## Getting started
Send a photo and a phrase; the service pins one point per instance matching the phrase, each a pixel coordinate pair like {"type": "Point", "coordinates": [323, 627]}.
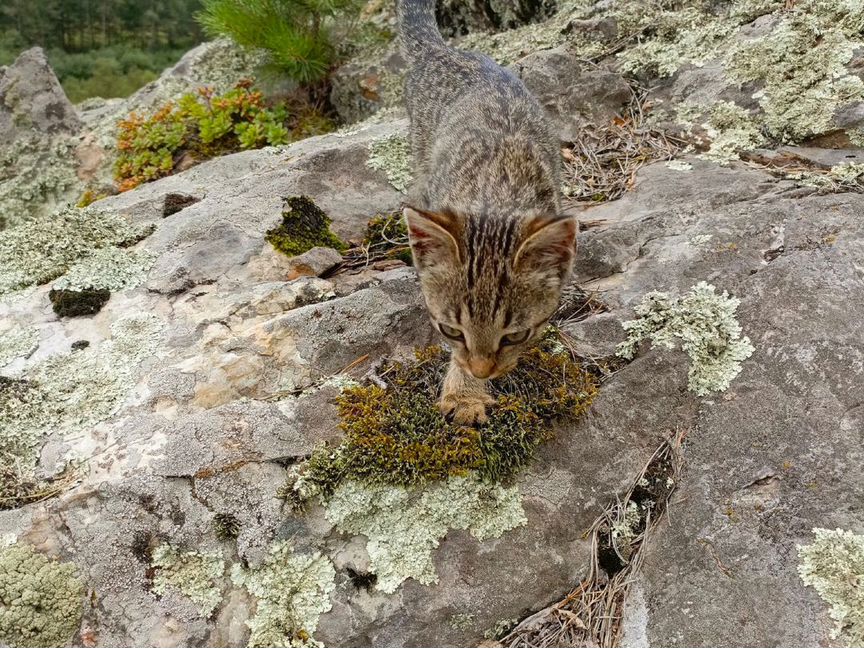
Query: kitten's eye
{"type": "Point", "coordinates": [452, 333]}
{"type": "Point", "coordinates": [515, 338]}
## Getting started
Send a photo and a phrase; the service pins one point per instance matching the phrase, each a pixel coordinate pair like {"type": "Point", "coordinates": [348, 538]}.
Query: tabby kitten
{"type": "Point", "coordinates": [484, 216]}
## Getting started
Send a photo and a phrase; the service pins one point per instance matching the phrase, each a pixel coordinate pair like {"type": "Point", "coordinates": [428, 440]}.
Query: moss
{"type": "Point", "coordinates": [386, 238]}
{"type": "Point", "coordinates": [226, 525]}
{"type": "Point", "coordinates": [398, 436]}
{"type": "Point", "coordinates": [304, 226]}
{"type": "Point", "coordinates": [41, 600]}
{"type": "Point", "coordinates": [195, 574]}
{"type": "Point", "coordinates": [108, 268]}
{"type": "Point", "coordinates": [392, 155]}
{"type": "Point", "coordinates": [833, 564]}
{"type": "Point", "coordinates": [67, 393]}
{"type": "Point", "coordinates": [293, 590]}
{"type": "Point", "coordinates": [706, 325]}
{"type": "Point", "coordinates": [17, 342]}
{"type": "Point", "coordinates": [78, 303]}
{"type": "Point", "coordinates": [177, 202]}
{"type": "Point", "coordinates": [404, 525]}
{"type": "Point", "coordinates": [45, 248]}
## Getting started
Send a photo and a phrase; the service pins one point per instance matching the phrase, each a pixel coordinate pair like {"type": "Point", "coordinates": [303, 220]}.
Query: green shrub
{"type": "Point", "coordinates": [202, 125]}
{"type": "Point", "coordinates": [296, 34]}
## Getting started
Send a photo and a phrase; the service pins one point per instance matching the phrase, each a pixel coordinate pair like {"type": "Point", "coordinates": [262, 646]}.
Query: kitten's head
{"type": "Point", "coordinates": [490, 284]}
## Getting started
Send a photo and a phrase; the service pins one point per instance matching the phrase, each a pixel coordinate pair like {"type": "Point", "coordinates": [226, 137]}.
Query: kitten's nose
{"type": "Point", "coordinates": [481, 367]}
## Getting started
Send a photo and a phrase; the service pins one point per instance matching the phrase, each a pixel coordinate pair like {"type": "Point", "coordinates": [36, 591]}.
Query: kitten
{"type": "Point", "coordinates": [484, 216]}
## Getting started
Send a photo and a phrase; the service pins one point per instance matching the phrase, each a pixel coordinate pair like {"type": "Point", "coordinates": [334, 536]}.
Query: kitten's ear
{"type": "Point", "coordinates": [549, 247]}
{"type": "Point", "coordinates": [432, 237]}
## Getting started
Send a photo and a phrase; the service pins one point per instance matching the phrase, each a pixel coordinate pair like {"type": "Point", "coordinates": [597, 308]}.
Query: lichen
{"type": "Point", "coordinates": [392, 156]}
{"type": "Point", "coordinates": [706, 326]}
{"type": "Point", "coordinates": [37, 174]}
{"type": "Point", "coordinates": [801, 66]}
{"type": "Point", "coordinates": [293, 591]}
{"type": "Point", "coordinates": [398, 436]}
{"type": "Point", "coordinates": [462, 621]}
{"type": "Point", "coordinates": [194, 574]}
{"type": "Point", "coordinates": [17, 342]}
{"type": "Point", "coordinates": [43, 249]}
{"type": "Point", "coordinates": [304, 226]}
{"type": "Point", "coordinates": [679, 165]}
{"type": "Point", "coordinates": [833, 565]}
{"type": "Point", "coordinates": [839, 178]}
{"type": "Point", "coordinates": [226, 526]}
{"type": "Point", "coordinates": [67, 393]}
{"type": "Point", "coordinates": [109, 268]}
{"type": "Point", "coordinates": [731, 129]}
{"type": "Point", "coordinates": [501, 628]}
{"type": "Point", "coordinates": [41, 600]}
{"type": "Point", "coordinates": [404, 525]}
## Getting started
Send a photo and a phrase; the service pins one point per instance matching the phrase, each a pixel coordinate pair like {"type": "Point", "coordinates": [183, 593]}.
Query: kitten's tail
{"type": "Point", "coordinates": [418, 29]}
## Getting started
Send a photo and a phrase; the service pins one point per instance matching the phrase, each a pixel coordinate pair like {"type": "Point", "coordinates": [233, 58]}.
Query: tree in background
{"type": "Point", "coordinates": [296, 34]}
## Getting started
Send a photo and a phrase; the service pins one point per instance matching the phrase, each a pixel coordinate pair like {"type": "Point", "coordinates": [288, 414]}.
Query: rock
{"type": "Point", "coordinates": [369, 82]}
{"type": "Point", "coordinates": [314, 263]}
{"type": "Point", "coordinates": [573, 92]}
{"type": "Point", "coordinates": [31, 98]}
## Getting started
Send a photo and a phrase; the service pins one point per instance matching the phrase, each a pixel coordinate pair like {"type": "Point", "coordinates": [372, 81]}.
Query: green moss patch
{"type": "Point", "coordinates": [398, 436]}
{"type": "Point", "coordinates": [78, 303]}
{"type": "Point", "coordinates": [41, 600]}
{"type": "Point", "coordinates": [304, 226]}
{"type": "Point", "coordinates": [386, 239]}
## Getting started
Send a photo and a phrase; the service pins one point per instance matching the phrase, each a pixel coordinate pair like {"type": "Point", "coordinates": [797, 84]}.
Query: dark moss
{"type": "Point", "coordinates": [304, 226]}
{"type": "Point", "coordinates": [386, 238]}
{"type": "Point", "coordinates": [398, 436]}
{"type": "Point", "coordinates": [226, 525]}
{"type": "Point", "coordinates": [78, 303]}
{"type": "Point", "coordinates": [79, 345]}
{"type": "Point", "coordinates": [176, 202]}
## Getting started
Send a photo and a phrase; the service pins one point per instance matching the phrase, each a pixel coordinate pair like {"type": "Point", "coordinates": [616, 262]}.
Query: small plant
{"type": "Point", "coordinates": [304, 226]}
{"type": "Point", "coordinates": [397, 435]}
{"type": "Point", "coordinates": [203, 125]}
{"type": "Point", "coordinates": [295, 34]}
{"type": "Point", "coordinates": [226, 525]}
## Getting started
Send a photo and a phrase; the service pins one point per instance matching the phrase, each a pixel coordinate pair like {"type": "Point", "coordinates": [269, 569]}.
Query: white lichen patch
{"type": "Point", "coordinates": [192, 573]}
{"type": "Point", "coordinates": [45, 248]}
{"type": "Point", "coordinates": [70, 392]}
{"type": "Point", "coordinates": [731, 129]}
{"type": "Point", "coordinates": [109, 268]}
{"type": "Point", "coordinates": [404, 525]}
{"type": "Point", "coordinates": [392, 155]}
{"type": "Point", "coordinates": [17, 342]}
{"type": "Point", "coordinates": [41, 600]}
{"type": "Point", "coordinates": [801, 66]}
{"type": "Point", "coordinates": [833, 565]}
{"type": "Point", "coordinates": [705, 324]}
{"type": "Point", "coordinates": [842, 177]}
{"type": "Point", "coordinates": [293, 591]}
{"type": "Point", "coordinates": [679, 165]}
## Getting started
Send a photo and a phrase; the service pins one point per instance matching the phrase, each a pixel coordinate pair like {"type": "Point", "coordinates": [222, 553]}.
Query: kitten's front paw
{"type": "Point", "coordinates": [465, 409]}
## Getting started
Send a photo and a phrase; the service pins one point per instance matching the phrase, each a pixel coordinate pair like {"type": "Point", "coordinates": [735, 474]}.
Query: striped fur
{"type": "Point", "coordinates": [490, 246]}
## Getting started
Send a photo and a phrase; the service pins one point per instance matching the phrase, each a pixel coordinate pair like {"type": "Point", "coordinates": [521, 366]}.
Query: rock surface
{"type": "Point", "coordinates": [183, 404]}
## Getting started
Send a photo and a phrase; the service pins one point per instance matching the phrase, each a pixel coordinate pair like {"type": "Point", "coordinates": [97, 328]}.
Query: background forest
{"type": "Point", "coordinates": [106, 48]}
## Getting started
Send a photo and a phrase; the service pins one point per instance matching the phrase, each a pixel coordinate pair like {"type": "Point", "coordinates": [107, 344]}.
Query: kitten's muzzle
{"type": "Point", "coordinates": [481, 368]}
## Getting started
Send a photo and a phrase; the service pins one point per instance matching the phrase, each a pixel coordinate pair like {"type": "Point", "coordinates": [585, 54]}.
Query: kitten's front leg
{"type": "Point", "coordinates": [464, 398]}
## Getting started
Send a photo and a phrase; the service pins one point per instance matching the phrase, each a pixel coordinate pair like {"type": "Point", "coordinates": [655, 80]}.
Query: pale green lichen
{"type": "Point", "coordinates": [839, 178]}
{"type": "Point", "coordinates": [392, 155]}
{"type": "Point", "coordinates": [705, 324]}
{"type": "Point", "coordinates": [194, 574]}
{"type": "Point", "coordinates": [404, 525]}
{"type": "Point", "coordinates": [731, 129]}
{"type": "Point", "coordinates": [833, 564]}
{"type": "Point", "coordinates": [802, 66]}
{"type": "Point", "coordinates": [856, 137]}
{"type": "Point", "coordinates": [501, 628]}
{"type": "Point", "coordinates": [679, 165]}
{"type": "Point", "coordinates": [45, 248]}
{"type": "Point", "coordinates": [17, 342]}
{"type": "Point", "coordinates": [109, 268]}
{"type": "Point", "coordinates": [70, 392]}
{"type": "Point", "coordinates": [462, 621]}
{"type": "Point", "coordinates": [293, 591]}
{"type": "Point", "coordinates": [41, 600]}
{"type": "Point", "coordinates": [37, 175]}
